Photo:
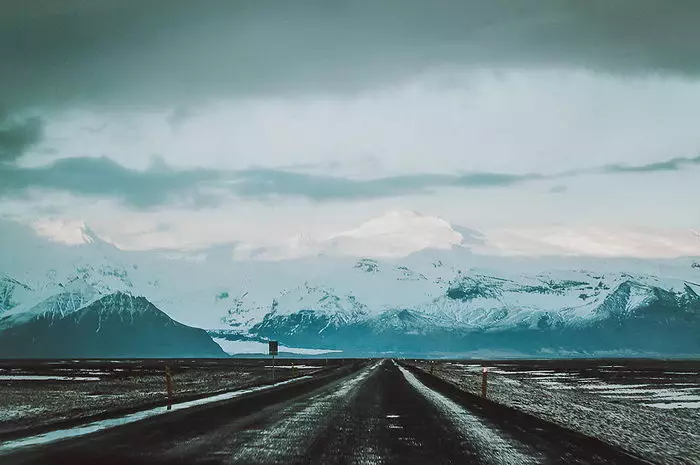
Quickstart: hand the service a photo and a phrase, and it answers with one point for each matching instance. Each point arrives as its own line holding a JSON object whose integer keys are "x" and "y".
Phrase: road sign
{"x": 273, "y": 346}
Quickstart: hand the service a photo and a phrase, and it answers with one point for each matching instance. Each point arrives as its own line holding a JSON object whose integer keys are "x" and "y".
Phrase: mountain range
{"x": 419, "y": 293}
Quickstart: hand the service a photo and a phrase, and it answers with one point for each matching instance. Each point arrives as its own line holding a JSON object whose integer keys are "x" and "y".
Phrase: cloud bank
{"x": 128, "y": 52}
{"x": 162, "y": 185}
{"x": 16, "y": 136}
{"x": 283, "y": 117}
{"x": 674, "y": 164}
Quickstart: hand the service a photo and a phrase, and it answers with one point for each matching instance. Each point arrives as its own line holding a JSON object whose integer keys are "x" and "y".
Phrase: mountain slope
{"x": 69, "y": 299}
{"x": 12, "y": 292}
{"x": 117, "y": 325}
{"x": 483, "y": 312}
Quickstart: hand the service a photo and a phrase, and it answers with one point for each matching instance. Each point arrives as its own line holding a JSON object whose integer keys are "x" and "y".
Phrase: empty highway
{"x": 374, "y": 413}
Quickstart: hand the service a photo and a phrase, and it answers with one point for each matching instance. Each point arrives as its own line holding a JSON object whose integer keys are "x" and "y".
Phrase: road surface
{"x": 379, "y": 413}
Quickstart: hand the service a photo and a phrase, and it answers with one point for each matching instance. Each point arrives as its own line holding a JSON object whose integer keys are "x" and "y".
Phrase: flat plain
{"x": 350, "y": 411}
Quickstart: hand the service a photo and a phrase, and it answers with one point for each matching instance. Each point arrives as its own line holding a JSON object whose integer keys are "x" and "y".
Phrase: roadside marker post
{"x": 273, "y": 348}
{"x": 169, "y": 386}
{"x": 484, "y": 378}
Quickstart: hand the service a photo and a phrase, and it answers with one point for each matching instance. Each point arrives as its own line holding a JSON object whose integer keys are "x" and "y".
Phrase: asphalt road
{"x": 380, "y": 413}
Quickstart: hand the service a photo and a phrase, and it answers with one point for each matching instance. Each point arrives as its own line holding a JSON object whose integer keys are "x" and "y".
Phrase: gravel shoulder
{"x": 658, "y": 435}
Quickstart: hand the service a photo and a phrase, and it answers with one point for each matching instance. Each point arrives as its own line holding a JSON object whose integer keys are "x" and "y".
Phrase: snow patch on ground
{"x": 674, "y": 405}
{"x": 623, "y": 417}
{"x": 676, "y": 395}
{"x": 301, "y": 367}
{"x": 19, "y": 411}
{"x": 47, "y": 378}
{"x": 255, "y": 347}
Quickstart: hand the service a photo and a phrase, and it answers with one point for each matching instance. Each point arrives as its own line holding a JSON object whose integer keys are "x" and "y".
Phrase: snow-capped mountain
{"x": 436, "y": 295}
{"x": 545, "y": 312}
{"x": 12, "y": 292}
{"x": 72, "y": 297}
{"x": 116, "y": 325}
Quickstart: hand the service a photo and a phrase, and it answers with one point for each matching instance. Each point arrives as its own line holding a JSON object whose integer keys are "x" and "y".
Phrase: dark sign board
{"x": 274, "y": 346}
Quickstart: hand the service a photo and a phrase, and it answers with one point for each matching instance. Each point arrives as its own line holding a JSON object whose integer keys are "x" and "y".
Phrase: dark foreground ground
{"x": 361, "y": 412}
{"x": 41, "y": 395}
{"x": 648, "y": 407}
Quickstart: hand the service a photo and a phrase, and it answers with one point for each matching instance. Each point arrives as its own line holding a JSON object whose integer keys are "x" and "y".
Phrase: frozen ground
{"x": 35, "y": 396}
{"x": 99, "y": 425}
{"x": 649, "y": 408}
{"x": 364, "y": 412}
{"x": 255, "y": 347}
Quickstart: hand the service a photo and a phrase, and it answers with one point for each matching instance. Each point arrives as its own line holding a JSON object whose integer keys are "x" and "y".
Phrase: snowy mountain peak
{"x": 62, "y": 301}
{"x": 397, "y": 233}
{"x": 66, "y": 232}
{"x": 405, "y": 223}
{"x": 88, "y": 234}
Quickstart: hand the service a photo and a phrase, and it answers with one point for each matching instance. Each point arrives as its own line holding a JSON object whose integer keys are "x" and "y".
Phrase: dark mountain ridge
{"x": 118, "y": 325}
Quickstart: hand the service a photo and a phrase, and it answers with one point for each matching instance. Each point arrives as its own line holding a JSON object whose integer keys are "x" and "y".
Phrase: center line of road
{"x": 100, "y": 425}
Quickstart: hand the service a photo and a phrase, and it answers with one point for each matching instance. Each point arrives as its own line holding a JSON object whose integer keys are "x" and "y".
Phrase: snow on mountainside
{"x": 12, "y": 292}
{"x": 440, "y": 292}
{"x": 71, "y": 298}
{"x": 386, "y": 304}
{"x": 116, "y": 325}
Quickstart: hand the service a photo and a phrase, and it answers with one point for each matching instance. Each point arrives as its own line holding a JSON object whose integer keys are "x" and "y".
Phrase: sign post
{"x": 169, "y": 386}
{"x": 484, "y": 380}
{"x": 273, "y": 347}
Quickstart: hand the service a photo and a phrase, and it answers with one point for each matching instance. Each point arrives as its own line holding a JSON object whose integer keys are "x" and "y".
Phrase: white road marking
{"x": 491, "y": 445}
{"x": 100, "y": 425}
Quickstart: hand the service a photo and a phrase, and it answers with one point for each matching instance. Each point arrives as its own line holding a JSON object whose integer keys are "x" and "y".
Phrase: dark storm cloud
{"x": 103, "y": 178}
{"x": 16, "y": 136}
{"x": 558, "y": 189}
{"x": 162, "y": 185}
{"x": 265, "y": 182}
{"x": 674, "y": 164}
{"x": 174, "y": 52}
{"x": 179, "y": 116}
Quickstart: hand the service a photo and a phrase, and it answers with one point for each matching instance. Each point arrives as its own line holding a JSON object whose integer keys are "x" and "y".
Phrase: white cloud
{"x": 441, "y": 121}
{"x": 593, "y": 241}
{"x": 396, "y": 233}
{"x": 400, "y": 233}
{"x": 69, "y": 232}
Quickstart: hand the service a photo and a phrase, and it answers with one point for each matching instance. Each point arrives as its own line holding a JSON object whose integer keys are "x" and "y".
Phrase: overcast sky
{"x": 187, "y": 124}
